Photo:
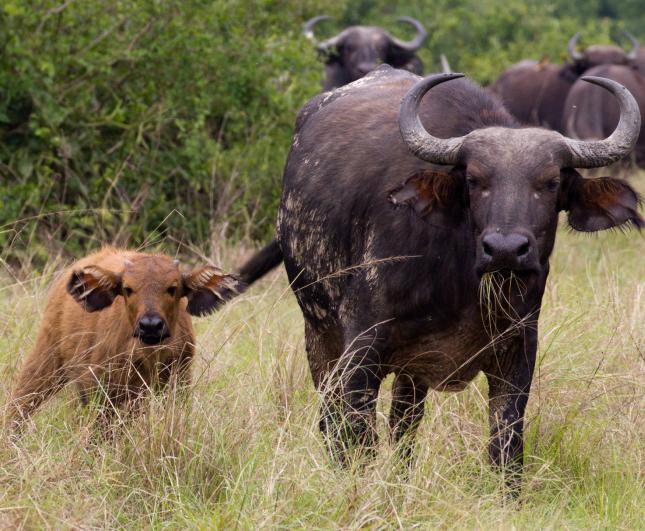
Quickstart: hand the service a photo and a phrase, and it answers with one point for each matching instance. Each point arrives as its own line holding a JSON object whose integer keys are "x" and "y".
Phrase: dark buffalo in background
{"x": 358, "y": 50}
{"x": 387, "y": 234}
{"x": 640, "y": 60}
{"x": 535, "y": 92}
{"x": 591, "y": 113}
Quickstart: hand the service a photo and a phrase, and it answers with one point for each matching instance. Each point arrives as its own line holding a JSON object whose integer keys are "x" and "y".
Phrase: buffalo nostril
{"x": 488, "y": 250}
{"x": 523, "y": 249}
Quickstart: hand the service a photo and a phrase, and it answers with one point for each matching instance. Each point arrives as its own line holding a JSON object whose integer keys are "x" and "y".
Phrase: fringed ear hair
{"x": 94, "y": 288}
{"x": 208, "y": 288}
{"x": 428, "y": 190}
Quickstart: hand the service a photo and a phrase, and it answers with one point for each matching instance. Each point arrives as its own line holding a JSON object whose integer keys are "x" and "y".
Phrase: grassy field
{"x": 243, "y": 450}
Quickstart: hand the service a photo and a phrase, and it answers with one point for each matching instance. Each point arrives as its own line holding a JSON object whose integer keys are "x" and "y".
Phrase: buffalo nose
{"x": 505, "y": 249}
{"x": 151, "y": 326}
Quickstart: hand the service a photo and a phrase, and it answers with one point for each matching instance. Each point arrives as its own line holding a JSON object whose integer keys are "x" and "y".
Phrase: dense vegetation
{"x": 124, "y": 119}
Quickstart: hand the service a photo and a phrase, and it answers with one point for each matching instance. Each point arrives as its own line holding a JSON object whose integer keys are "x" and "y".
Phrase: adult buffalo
{"x": 591, "y": 113}
{"x": 358, "y": 50}
{"x": 535, "y": 92}
{"x": 387, "y": 237}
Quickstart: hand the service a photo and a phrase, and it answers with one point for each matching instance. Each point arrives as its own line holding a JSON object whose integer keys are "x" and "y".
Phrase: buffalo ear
{"x": 600, "y": 203}
{"x": 93, "y": 287}
{"x": 208, "y": 288}
{"x": 428, "y": 190}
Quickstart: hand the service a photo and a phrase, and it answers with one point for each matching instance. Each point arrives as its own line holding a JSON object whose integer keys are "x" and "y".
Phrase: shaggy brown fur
{"x": 96, "y": 330}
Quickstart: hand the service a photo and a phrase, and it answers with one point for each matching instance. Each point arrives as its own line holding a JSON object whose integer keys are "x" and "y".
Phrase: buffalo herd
{"x": 416, "y": 223}
{"x": 553, "y": 96}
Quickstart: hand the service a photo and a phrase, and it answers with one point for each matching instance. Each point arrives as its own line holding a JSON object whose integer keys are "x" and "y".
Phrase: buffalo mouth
{"x": 507, "y": 272}
{"x": 151, "y": 340}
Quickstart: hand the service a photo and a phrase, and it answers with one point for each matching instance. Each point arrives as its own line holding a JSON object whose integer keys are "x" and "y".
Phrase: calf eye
{"x": 127, "y": 291}
{"x": 172, "y": 290}
{"x": 472, "y": 183}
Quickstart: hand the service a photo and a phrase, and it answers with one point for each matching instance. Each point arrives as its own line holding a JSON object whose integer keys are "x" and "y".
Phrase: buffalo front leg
{"x": 509, "y": 383}
{"x": 408, "y": 399}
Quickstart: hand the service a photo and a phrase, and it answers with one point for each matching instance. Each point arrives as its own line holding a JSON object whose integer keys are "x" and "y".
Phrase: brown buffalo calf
{"x": 118, "y": 322}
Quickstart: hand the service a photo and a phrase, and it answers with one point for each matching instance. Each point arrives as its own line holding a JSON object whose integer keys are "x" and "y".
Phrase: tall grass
{"x": 242, "y": 450}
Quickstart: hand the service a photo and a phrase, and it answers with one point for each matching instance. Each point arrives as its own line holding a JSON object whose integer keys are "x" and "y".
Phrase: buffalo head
{"x": 152, "y": 288}
{"x": 358, "y": 50}
{"x": 601, "y": 54}
{"x": 510, "y": 183}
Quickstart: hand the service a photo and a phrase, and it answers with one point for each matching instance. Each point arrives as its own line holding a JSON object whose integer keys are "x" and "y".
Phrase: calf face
{"x": 152, "y": 287}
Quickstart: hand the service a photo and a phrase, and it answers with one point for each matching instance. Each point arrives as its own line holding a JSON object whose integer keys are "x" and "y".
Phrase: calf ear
{"x": 208, "y": 288}
{"x": 429, "y": 190}
{"x": 93, "y": 287}
{"x": 600, "y": 203}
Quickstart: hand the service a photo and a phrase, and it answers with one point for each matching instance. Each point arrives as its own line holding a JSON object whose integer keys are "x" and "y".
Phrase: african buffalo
{"x": 425, "y": 251}
{"x": 358, "y": 50}
{"x": 117, "y": 322}
{"x": 591, "y": 113}
{"x": 534, "y": 93}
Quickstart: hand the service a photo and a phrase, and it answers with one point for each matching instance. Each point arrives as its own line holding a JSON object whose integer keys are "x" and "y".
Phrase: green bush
{"x": 124, "y": 119}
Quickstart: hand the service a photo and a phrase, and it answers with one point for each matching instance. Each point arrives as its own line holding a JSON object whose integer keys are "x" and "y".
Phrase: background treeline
{"x": 125, "y": 119}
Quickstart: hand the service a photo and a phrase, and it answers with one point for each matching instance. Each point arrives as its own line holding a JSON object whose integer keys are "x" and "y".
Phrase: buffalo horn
{"x": 597, "y": 153}
{"x": 573, "y": 41}
{"x": 414, "y": 44}
{"x": 419, "y": 141}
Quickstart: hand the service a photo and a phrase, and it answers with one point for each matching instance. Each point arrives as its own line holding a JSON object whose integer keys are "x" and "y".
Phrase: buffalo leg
{"x": 350, "y": 397}
{"x": 408, "y": 398}
{"x": 509, "y": 382}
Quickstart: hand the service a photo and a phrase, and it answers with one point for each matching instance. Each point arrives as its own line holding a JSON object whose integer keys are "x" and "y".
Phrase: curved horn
{"x": 308, "y": 27}
{"x": 421, "y": 143}
{"x": 414, "y": 44}
{"x": 594, "y": 154}
{"x": 633, "y": 53}
{"x": 571, "y": 47}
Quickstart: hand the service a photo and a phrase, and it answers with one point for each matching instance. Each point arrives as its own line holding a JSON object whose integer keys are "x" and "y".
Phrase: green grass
{"x": 243, "y": 450}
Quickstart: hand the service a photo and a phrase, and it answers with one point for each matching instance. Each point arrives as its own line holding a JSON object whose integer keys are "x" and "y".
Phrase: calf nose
{"x": 151, "y": 328}
{"x": 505, "y": 250}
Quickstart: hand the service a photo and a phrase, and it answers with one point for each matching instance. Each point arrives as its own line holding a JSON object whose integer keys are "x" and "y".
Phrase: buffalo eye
{"x": 127, "y": 291}
{"x": 172, "y": 291}
{"x": 552, "y": 185}
{"x": 473, "y": 184}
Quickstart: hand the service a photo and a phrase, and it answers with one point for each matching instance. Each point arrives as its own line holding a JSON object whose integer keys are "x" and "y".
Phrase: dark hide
{"x": 534, "y": 93}
{"x": 383, "y": 250}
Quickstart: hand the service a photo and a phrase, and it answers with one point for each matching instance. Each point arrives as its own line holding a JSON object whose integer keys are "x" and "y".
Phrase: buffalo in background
{"x": 590, "y": 115}
{"x": 358, "y": 50}
{"x": 535, "y": 92}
